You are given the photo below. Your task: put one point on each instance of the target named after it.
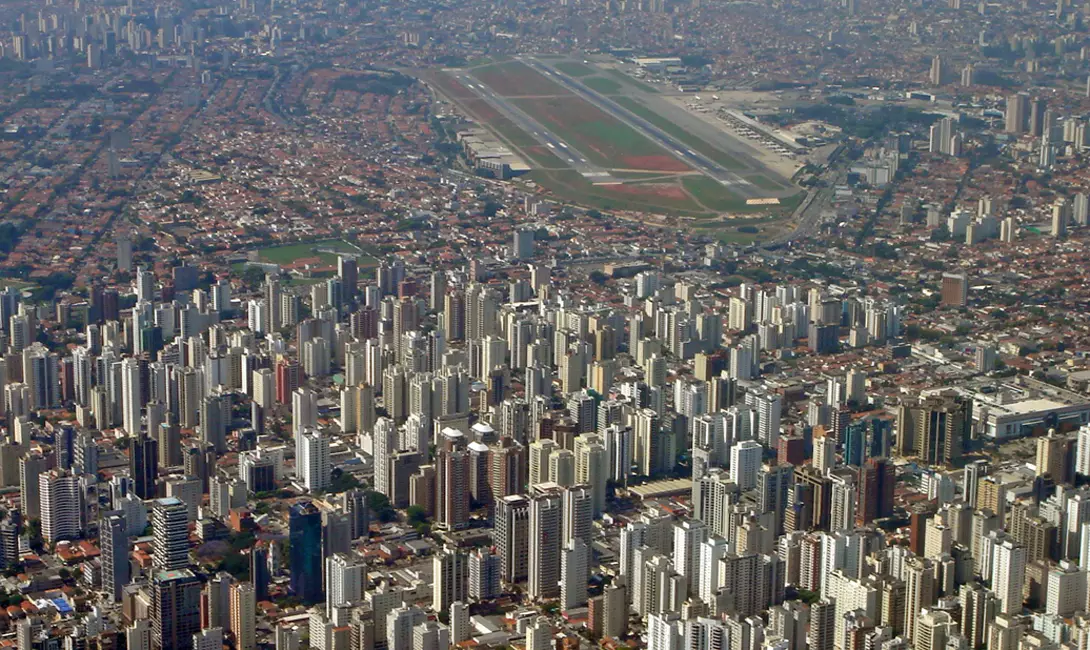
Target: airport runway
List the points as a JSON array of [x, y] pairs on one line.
[[672, 145], [559, 148]]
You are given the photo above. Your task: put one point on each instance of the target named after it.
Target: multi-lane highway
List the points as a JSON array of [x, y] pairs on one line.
[[558, 147], [648, 130]]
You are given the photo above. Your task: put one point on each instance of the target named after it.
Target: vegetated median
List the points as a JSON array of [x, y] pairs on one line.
[[696, 142], [605, 140]]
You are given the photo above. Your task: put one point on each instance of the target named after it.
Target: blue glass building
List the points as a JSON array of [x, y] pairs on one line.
[[305, 552]]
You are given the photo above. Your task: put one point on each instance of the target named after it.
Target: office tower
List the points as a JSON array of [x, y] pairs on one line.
[[144, 466], [452, 479], [354, 503], [170, 530], [348, 273], [1061, 210], [304, 410], [273, 320], [1052, 455], [876, 481], [130, 396], [968, 75], [578, 509], [214, 413], [544, 548], [1016, 117], [305, 536], [920, 591], [615, 619], [450, 578], [540, 452], [345, 577], [511, 536], [562, 467], [647, 442], [769, 407], [522, 244], [955, 289], [937, 71], [259, 572], [1065, 591], [385, 446], [61, 506], [574, 572], [175, 609], [977, 611], [312, 461], [1008, 575], [591, 468], [113, 539], [243, 615], [687, 538], [31, 467], [935, 428]]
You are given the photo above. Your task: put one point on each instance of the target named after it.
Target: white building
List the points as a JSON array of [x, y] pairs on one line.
[[745, 461], [1008, 575], [312, 463], [345, 576]]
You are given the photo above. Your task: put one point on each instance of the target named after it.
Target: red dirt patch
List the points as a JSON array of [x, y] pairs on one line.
[[453, 87], [655, 163], [482, 109]]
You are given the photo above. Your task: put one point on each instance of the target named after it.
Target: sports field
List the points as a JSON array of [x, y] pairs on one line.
[[325, 251]]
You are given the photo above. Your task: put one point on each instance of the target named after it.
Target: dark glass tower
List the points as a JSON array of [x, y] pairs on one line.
[[305, 554], [144, 466], [259, 572]]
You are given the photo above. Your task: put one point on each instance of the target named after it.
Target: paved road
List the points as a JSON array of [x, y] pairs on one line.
[[808, 215], [675, 147], [558, 147]]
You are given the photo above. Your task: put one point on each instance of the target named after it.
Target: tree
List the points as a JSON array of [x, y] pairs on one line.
[[416, 515], [380, 505]]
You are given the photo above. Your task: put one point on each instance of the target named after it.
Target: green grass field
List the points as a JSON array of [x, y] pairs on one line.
[[765, 183], [574, 69], [290, 252], [713, 194], [603, 85], [645, 87]]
